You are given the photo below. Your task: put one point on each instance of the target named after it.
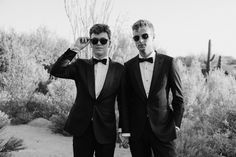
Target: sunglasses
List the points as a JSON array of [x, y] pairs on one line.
[[137, 37], [95, 41]]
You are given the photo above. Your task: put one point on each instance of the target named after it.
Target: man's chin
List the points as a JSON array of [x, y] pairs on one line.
[[142, 50], [99, 53]]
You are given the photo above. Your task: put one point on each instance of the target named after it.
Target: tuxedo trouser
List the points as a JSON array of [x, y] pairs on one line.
[[148, 145], [86, 145]]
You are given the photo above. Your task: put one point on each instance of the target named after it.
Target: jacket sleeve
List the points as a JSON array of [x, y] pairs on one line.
[[63, 67], [176, 89], [122, 105]]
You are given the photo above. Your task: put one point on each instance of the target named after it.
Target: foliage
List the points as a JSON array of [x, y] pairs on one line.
[[16, 111], [11, 144], [209, 119], [58, 123], [4, 120], [62, 93], [29, 57]]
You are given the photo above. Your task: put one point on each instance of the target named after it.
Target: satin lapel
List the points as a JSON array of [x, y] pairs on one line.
[[108, 80], [91, 78], [156, 72], [138, 77]]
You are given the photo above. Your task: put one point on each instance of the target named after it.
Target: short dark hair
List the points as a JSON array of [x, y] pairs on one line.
[[142, 23], [100, 28]]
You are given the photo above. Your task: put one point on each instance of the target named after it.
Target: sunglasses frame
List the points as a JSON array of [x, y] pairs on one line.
[[95, 41], [144, 36]]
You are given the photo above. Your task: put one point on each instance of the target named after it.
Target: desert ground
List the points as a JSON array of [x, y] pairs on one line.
[[41, 142]]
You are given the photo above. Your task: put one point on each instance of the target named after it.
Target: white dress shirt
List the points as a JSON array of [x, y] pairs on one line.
[[146, 69], [100, 72]]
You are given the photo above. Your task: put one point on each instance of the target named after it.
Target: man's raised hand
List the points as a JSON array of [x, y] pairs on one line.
[[80, 44]]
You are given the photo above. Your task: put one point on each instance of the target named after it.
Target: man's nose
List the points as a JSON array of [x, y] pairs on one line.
[[141, 39], [99, 43]]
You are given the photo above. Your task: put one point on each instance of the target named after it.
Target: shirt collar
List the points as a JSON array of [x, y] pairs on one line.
[[106, 57]]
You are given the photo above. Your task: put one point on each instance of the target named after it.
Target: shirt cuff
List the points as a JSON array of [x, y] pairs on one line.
[[177, 128], [74, 49], [125, 134]]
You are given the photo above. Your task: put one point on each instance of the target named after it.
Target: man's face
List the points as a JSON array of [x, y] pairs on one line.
[[100, 44], [143, 38]]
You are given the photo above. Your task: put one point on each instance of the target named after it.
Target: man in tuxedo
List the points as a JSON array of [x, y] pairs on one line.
[[153, 119], [91, 120]]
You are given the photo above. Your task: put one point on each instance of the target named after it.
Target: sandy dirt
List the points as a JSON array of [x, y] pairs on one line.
[[41, 142]]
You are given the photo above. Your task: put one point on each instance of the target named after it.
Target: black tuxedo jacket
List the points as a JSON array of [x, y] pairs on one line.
[[87, 107], [163, 114]]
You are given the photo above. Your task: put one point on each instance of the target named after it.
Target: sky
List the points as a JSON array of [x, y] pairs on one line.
[[182, 27]]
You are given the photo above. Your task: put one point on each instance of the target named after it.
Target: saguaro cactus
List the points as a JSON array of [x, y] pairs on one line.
[[209, 58], [219, 63]]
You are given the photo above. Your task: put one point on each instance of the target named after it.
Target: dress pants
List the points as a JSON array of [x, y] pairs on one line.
[[87, 145], [149, 145]]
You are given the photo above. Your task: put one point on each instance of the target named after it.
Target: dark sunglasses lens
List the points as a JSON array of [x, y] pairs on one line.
[[145, 36], [94, 41], [136, 38], [103, 41]]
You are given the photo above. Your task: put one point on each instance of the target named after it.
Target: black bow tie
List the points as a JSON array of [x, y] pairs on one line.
[[103, 61], [150, 60]]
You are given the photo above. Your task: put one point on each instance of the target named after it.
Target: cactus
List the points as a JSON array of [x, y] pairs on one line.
[[219, 63], [209, 58]]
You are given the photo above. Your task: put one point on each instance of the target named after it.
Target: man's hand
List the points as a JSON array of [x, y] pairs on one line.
[[124, 141], [80, 43]]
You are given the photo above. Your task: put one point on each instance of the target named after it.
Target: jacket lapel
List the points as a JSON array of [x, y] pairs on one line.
[[138, 77], [108, 79], [156, 72], [91, 78]]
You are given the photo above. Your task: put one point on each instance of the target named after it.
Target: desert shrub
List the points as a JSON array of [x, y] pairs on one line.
[[40, 105], [16, 111], [29, 57], [192, 142], [208, 124], [4, 120], [11, 144], [231, 121], [62, 93], [58, 123]]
